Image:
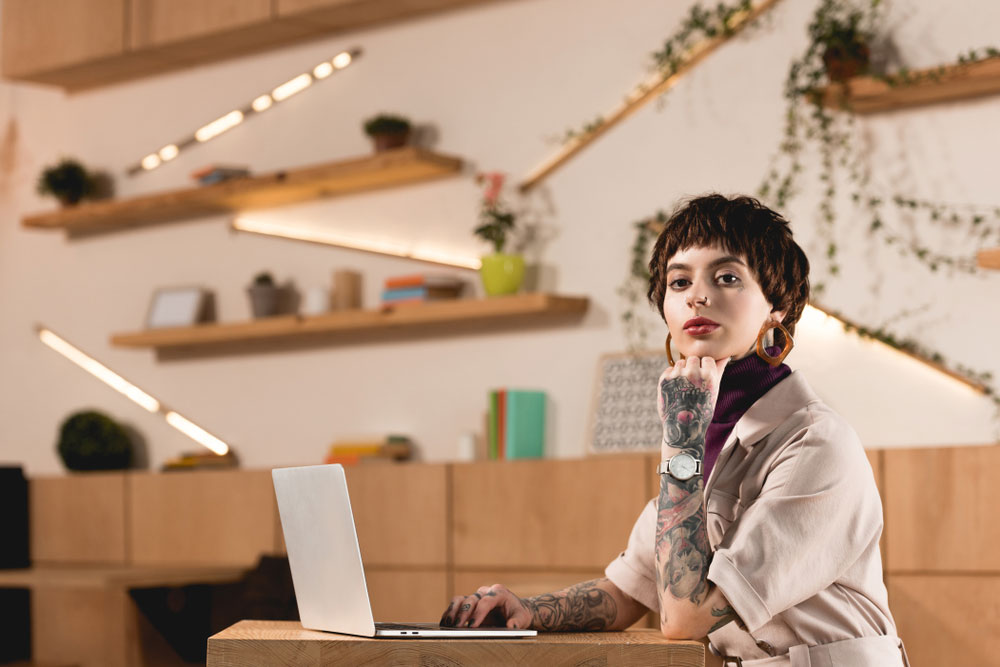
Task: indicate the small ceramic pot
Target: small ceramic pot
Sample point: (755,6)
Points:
(502,274)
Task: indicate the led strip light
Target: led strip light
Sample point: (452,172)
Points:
(355,242)
(120,384)
(260,104)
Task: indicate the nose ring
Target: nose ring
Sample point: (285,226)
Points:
(702,301)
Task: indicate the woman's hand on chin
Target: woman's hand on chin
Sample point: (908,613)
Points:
(688,391)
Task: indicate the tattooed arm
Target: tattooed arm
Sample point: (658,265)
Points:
(690,605)
(589,606)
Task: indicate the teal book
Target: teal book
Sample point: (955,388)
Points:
(525,424)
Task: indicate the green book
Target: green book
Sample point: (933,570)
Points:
(491,436)
(525,424)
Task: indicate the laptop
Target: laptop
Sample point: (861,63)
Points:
(325,560)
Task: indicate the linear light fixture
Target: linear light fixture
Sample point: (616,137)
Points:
(814,313)
(117,382)
(259,104)
(355,242)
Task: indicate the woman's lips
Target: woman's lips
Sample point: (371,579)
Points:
(700,326)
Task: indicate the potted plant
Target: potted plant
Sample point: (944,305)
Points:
(90,440)
(843,42)
(69,181)
(264,295)
(388,131)
(501,273)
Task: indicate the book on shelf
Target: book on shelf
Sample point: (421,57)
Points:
(515,424)
(215,173)
(443,280)
(201,461)
(392,448)
(418,294)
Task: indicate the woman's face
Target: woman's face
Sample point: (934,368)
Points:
(713,305)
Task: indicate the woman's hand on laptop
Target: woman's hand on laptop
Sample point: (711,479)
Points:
(490,606)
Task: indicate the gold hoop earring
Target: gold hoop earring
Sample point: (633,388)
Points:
(670,357)
(789,343)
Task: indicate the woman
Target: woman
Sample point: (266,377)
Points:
(764,536)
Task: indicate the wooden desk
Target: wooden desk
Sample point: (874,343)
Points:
(287,643)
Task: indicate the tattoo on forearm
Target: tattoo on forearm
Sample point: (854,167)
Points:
(581,607)
(683,552)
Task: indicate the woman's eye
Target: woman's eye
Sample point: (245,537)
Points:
(728,279)
(679,283)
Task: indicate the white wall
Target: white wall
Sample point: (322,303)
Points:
(495,81)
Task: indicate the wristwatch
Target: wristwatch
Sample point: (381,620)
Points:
(681,467)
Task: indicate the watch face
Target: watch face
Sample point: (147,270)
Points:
(683,466)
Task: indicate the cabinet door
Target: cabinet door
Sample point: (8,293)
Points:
(159,22)
(41,36)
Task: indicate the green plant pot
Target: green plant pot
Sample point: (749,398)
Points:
(502,274)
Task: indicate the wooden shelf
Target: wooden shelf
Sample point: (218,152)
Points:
(382,170)
(447,316)
(989,258)
(953,82)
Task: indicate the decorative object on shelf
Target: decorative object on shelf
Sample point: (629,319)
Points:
(679,55)
(393,448)
(388,131)
(130,391)
(265,295)
(421,288)
(70,182)
(317,301)
(346,294)
(91,440)
(516,424)
(217,173)
(621,417)
(839,31)
(258,105)
(178,307)
(501,273)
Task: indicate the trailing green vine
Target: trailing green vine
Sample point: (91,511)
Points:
(841,29)
(700,23)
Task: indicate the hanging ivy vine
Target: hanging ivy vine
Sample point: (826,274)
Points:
(700,23)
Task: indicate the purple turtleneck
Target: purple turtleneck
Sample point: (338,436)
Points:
(743,382)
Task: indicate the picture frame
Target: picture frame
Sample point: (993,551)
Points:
(623,415)
(177,307)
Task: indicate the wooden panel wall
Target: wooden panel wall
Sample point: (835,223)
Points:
(78,518)
(944,552)
(547,515)
(202,518)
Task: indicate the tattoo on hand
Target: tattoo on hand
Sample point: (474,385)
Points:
(687,412)
(724,615)
(583,607)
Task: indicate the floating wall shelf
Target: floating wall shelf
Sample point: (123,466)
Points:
(937,84)
(989,258)
(448,316)
(382,170)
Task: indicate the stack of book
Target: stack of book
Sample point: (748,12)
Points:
(393,448)
(201,461)
(420,288)
(515,426)
(216,173)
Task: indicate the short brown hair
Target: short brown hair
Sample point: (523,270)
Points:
(743,226)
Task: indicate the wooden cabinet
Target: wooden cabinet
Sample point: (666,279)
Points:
(79,44)
(42,36)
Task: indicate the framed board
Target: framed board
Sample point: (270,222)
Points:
(623,415)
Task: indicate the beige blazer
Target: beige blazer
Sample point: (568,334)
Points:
(794,519)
